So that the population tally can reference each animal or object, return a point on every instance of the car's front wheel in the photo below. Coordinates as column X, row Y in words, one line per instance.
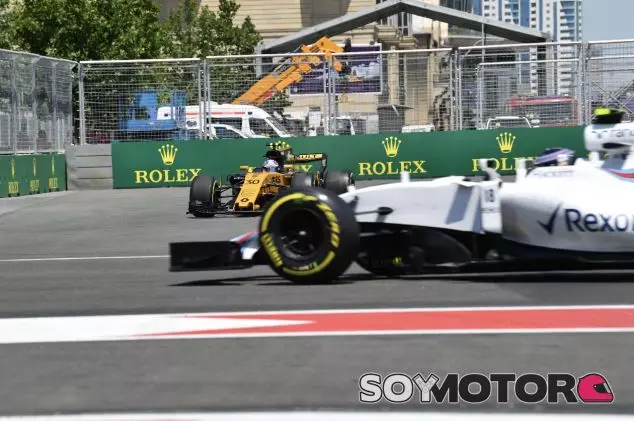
column 309, row 236
column 204, row 196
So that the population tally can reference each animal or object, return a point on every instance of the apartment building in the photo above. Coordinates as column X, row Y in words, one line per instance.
column 562, row 19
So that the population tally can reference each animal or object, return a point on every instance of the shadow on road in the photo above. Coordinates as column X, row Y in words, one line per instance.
column 499, row 277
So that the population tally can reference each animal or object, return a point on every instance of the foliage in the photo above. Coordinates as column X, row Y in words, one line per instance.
column 82, row 30
column 6, row 31
column 90, row 30
column 195, row 32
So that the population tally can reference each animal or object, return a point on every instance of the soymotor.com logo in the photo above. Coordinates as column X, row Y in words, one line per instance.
column 478, row 388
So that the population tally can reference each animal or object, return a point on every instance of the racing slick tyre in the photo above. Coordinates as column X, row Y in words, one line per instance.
column 338, row 181
column 204, row 196
column 309, row 236
column 302, row 180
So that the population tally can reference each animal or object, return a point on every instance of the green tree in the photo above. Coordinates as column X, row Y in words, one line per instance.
column 195, row 32
column 6, row 30
column 89, row 30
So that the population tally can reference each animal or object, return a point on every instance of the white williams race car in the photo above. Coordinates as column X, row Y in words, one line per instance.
column 561, row 213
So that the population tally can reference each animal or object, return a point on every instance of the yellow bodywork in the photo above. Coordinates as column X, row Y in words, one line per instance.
column 257, row 185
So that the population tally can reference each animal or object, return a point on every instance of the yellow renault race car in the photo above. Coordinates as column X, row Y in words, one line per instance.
column 249, row 192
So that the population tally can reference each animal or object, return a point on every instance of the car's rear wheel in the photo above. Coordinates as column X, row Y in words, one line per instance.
column 338, row 181
column 302, row 180
column 204, row 196
column 309, row 236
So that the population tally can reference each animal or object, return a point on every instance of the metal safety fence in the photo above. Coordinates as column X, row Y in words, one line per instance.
column 308, row 94
column 36, row 103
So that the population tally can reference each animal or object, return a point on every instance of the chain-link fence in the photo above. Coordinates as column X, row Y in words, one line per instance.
column 519, row 85
column 610, row 76
column 369, row 91
column 267, row 95
column 139, row 100
column 393, row 91
column 36, row 103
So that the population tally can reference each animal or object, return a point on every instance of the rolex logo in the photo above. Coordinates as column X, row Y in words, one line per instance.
column 505, row 142
column 391, row 145
column 168, row 154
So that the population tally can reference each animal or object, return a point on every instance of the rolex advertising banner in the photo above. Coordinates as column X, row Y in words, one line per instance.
column 23, row 175
column 378, row 156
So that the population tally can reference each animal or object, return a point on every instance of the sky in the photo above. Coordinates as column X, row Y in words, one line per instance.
column 608, row 19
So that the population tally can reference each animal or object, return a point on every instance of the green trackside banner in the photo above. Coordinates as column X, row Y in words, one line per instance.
column 378, row 156
column 23, row 175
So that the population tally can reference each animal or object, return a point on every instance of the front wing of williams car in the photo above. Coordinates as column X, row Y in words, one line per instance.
column 237, row 253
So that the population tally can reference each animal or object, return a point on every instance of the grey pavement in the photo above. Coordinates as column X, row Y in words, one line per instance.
column 271, row 373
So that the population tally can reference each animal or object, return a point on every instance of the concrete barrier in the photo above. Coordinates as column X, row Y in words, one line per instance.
column 89, row 167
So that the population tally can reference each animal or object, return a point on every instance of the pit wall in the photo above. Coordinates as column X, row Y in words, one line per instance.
column 384, row 156
column 24, row 175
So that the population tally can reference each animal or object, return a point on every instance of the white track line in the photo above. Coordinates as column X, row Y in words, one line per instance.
column 61, row 259
column 319, row 416
column 117, row 328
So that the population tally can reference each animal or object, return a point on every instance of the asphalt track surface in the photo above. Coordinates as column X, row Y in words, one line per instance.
column 253, row 373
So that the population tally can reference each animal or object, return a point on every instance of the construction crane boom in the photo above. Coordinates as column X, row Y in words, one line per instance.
column 291, row 71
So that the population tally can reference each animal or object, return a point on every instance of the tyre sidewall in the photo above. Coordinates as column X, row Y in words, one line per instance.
column 333, row 256
column 300, row 180
column 338, row 181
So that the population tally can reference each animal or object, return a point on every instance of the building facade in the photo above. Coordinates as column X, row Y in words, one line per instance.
column 398, row 81
column 562, row 19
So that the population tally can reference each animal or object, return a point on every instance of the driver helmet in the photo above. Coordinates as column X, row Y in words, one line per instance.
column 271, row 165
column 272, row 162
column 556, row 157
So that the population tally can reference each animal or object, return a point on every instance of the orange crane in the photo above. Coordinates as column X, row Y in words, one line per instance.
column 290, row 71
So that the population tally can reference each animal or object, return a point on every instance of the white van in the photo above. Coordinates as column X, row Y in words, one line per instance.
column 418, row 128
column 253, row 121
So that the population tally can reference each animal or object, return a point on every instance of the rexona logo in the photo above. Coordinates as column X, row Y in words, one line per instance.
column 391, row 147
column 503, row 163
column 577, row 221
column 168, row 154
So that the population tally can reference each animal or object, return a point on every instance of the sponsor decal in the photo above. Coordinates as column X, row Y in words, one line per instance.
column 53, row 182
column 552, row 173
column 14, row 186
column 502, row 163
column 576, row 221
column 391, row 147
column 34, row 184
column 168, row 154
column 477, row 388
column 307, row 167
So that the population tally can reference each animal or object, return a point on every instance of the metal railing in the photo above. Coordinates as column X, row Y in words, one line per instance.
column 36, row 103
column 299, row 94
